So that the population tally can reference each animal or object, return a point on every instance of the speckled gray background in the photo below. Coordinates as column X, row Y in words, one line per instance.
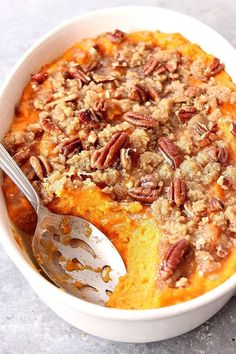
column 27, row 326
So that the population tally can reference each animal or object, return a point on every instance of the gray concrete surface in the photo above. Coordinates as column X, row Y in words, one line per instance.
column 27, row 326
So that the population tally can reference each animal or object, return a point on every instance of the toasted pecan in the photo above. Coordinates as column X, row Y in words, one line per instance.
column 106, row 156
column 171, row 151
column 40, row 77
column 214, row 68
column 144, row 195
column 89, row 118
column 173, row 258
column 141, row 120
column 177, row 192
column 138, row 94
column 70, row 146
column 151, row 65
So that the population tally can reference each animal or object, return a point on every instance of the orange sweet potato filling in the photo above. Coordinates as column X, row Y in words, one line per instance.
column 129, row 226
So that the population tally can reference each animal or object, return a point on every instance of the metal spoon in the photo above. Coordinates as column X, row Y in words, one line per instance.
column 74, row 254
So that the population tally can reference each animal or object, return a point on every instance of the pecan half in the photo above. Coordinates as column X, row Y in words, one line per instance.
column 40, row 77
column 216, row 204
column 141, row 120
column 37, row 167
column 153, row 94
column 49, row 126
column 186, row 113
column 70, row 146
column 138, row 94
column 45, row 163
column 224, row 182
column 173, row 258
column 89, row 118
column 222, row 155
column 177, row 192
column 100, row 105
column 76, row 72
column 116, row 36
column 107, row 155
column 171, row 151
column 144, row 195
column 90, row 67
column 151, row 65
column 214, row 68
column 233, row 128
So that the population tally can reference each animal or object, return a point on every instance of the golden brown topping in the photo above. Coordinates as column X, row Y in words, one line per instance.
column 173, row 258
column 49, row 126
column 70, row 146
column 106, row 156
column 216, row 204
column 40, row 77
column 222, row 155
column 144, row 195
column 186, row 113
column 89, row 118
column 138, row 93
column 171, row 151
column 151, row 65
column 117, row 36
column 177, row 192
column 233, row 128
column 214, row 68
column 148, row 181
column 140, row 120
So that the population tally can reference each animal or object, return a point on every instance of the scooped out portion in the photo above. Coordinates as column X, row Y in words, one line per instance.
column 137, row 134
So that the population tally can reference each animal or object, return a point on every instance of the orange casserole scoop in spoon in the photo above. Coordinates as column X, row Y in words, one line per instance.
column 73, row 253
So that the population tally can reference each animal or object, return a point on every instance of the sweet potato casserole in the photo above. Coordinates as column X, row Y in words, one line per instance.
column 137, row 134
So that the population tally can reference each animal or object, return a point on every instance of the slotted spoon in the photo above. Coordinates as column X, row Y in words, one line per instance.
column 73, row 253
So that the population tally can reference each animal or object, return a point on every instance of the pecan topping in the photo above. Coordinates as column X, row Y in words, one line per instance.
column 144, row 195
column 222, row 155
column 88, row 117
column 70, row 146
column 138, row 93
column 90, row 67
column 141, row 120
column 177, row 192
column 49, row 126
column 37, row 166
column 107, row 155
column 76, row 72
column 214, row 68
column 207, row 135
column 117, row 36
column 186, row 113
column 216, row 204
column 40, row 77
column 171, row 151
column 100, row 105
column 153, row 94
column 151, row 65
column 45, row 163
column 173, row 258
column 224, row 182
column 233, row 128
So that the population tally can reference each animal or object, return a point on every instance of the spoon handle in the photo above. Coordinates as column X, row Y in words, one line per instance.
column 10, row 167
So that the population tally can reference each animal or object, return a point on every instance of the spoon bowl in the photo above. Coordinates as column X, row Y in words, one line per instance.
column 73, row 253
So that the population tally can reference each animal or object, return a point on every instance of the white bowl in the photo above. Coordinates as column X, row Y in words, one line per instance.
column 114, row 324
